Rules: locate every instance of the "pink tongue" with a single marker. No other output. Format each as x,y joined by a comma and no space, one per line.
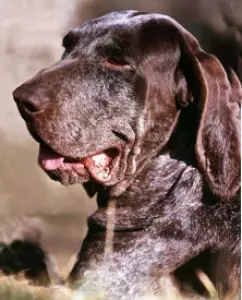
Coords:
48,159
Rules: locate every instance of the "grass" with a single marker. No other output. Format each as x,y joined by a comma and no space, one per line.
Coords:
18,288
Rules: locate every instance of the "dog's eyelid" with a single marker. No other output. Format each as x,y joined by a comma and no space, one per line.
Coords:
116,63
115,58
112,52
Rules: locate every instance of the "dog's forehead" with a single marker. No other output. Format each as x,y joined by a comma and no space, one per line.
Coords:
128,18
117,23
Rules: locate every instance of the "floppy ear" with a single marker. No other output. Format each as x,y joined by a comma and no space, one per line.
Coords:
218,138
218,104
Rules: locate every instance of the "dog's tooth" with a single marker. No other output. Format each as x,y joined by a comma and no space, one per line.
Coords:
102,173
105,173
98,172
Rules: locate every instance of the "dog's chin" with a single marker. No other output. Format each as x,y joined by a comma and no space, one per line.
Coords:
68,176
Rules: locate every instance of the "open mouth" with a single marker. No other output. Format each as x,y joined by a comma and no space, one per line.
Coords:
100,166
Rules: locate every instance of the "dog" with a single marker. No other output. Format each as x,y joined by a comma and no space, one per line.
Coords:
148,122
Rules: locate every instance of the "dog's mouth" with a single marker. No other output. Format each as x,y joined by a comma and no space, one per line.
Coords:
100,166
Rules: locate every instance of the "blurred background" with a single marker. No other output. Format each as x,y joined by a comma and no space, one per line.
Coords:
30,39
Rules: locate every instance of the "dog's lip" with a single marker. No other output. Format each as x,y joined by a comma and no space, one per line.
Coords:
101,165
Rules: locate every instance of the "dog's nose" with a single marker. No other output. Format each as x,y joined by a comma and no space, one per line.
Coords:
30,102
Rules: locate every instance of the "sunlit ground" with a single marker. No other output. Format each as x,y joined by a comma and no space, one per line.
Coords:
19,288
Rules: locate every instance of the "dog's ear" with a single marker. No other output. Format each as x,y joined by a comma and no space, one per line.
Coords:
218,137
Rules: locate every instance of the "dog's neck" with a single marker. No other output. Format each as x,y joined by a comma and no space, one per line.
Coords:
149,196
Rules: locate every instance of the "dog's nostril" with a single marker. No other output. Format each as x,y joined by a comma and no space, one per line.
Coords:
27,106
30,107
28,102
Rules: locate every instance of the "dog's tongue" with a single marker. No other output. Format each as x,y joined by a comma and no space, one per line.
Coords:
48,159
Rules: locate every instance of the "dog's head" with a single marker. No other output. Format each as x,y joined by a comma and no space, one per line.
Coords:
114,99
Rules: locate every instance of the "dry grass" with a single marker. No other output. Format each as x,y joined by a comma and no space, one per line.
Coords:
19,289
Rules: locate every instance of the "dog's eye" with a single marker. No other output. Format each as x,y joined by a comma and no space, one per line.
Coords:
115,63
113,59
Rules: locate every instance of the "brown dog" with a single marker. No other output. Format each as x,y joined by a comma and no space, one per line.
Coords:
144,118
